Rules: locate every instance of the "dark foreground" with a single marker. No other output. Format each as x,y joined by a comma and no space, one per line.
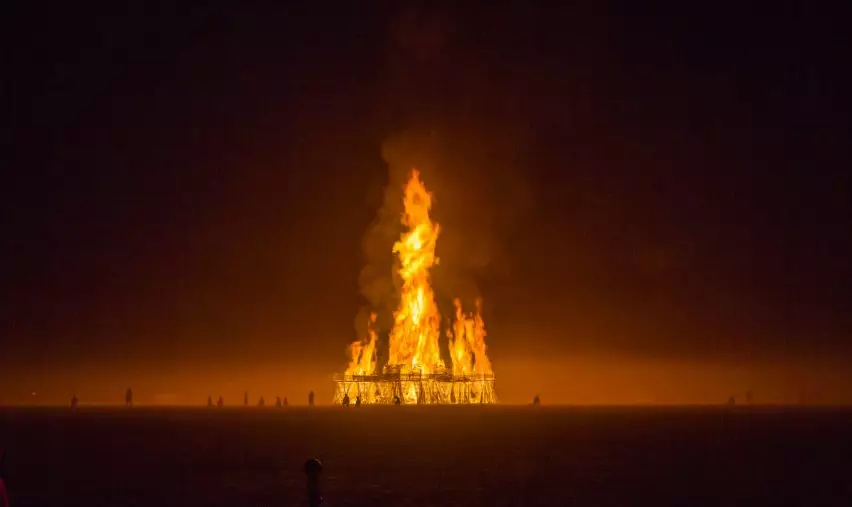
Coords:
400,456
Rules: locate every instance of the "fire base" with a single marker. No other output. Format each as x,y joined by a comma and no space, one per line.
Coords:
415,388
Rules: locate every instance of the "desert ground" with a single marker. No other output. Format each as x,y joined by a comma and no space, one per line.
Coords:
429,456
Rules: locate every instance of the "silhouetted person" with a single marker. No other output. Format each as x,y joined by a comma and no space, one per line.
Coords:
313,469
732,400
261,403
396,400
221,402
128,398
346,401
311,399
278,401
358,401
73,402
536,400
286,401
4,497
209,401
245,399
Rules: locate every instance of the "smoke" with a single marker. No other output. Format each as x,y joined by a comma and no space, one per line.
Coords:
477,202
421,33
446,118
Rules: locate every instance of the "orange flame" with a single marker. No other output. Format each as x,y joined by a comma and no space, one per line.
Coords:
363,352
467,343
414,337
482,364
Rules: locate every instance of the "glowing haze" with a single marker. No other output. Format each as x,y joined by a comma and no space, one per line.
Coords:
415,336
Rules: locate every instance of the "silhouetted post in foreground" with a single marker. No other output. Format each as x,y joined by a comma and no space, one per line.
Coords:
313,469
311,399
245,399
4,498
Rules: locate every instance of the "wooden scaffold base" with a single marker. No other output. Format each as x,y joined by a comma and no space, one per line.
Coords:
393,385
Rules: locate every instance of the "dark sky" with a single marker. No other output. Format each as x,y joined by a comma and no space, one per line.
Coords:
191,189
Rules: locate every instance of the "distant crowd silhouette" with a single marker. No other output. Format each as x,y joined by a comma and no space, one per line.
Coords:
261,402
806,398
220,402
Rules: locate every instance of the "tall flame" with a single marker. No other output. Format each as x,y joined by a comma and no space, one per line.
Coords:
363,352
467,342
414,339
416,330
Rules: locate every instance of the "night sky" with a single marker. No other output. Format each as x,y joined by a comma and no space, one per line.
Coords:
653,202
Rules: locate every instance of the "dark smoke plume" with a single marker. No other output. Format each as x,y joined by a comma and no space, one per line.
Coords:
477,202
470,154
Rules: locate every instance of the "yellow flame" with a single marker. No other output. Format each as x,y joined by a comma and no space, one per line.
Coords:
363,352
467,342
460,352
482,364
414,337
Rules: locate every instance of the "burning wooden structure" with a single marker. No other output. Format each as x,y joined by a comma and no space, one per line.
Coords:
416,388
415,372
